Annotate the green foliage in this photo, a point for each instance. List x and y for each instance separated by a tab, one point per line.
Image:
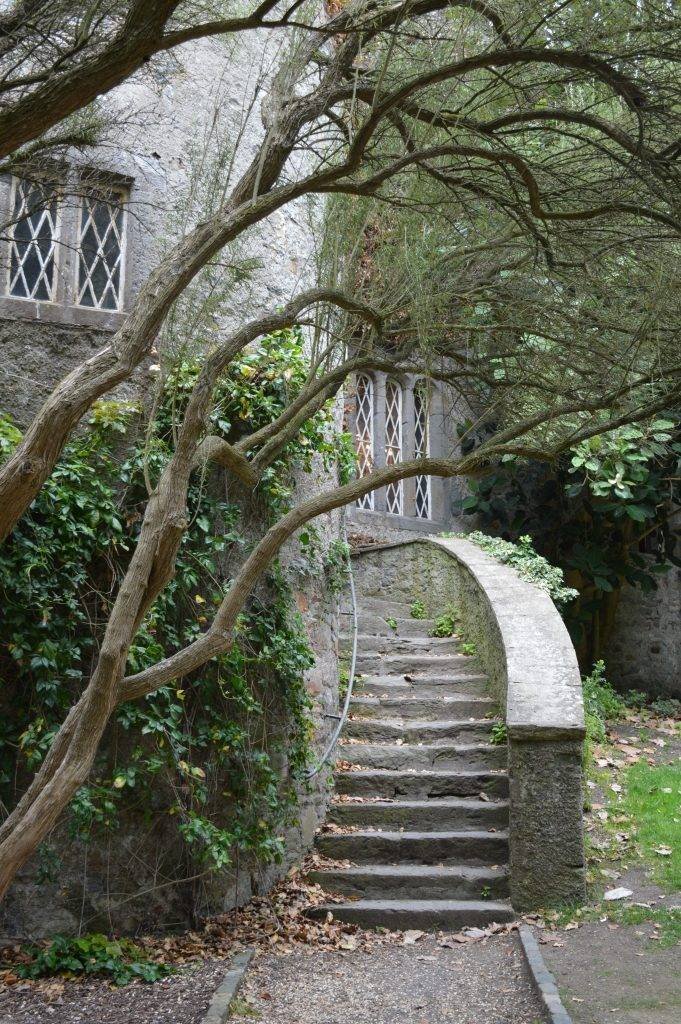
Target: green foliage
601	703
588	514
446	624
119	960
392	622
619	465
651	797
213	745
469	648
499	734
528	564
418	610
336	566
666	707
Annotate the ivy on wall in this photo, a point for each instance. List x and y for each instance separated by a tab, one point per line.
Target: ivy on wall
217	754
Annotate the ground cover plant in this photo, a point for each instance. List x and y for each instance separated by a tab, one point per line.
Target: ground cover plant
120	960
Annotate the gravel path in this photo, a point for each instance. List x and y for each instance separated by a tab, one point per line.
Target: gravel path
181	999
421	984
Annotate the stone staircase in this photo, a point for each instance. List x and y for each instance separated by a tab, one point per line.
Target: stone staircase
416	835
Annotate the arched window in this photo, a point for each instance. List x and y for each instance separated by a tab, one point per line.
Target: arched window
421	448
364	434
394	493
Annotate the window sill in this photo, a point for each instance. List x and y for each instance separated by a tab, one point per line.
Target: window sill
57	313
388	519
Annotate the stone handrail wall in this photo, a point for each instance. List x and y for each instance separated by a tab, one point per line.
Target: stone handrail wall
526	651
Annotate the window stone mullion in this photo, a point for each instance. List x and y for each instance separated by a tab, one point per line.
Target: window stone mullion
408	446
379	435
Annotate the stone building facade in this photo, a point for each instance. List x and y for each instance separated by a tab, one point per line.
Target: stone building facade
644	652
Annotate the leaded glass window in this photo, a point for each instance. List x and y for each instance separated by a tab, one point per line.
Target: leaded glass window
421	449
394	492
100	251
32	249
364	434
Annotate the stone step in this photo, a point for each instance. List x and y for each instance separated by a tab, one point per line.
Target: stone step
427	915
453	684
382	730
385	607
370	644
378	625
364	846
471	756
413	662
451	813
413	881
421	785
423	709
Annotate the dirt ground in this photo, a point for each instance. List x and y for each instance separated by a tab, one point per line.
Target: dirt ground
180	999
610	973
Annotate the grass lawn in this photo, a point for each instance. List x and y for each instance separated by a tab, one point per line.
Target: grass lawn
652	797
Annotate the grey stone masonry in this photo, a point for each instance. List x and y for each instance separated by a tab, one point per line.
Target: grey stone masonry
417	833
531	667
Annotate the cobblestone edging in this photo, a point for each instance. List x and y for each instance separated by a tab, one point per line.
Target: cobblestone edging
218	1010
542	979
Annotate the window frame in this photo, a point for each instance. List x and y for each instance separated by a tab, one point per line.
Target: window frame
393	445
78	249
422	483
63	308
16	183
367	502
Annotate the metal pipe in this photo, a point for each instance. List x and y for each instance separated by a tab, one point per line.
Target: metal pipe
353	660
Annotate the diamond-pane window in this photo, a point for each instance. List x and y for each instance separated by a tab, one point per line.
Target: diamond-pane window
100	251
421	449
32	271
394	492
364	434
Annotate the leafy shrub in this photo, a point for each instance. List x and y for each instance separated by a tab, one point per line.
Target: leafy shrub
119	959
469	648
418	610
601	703
667	707
528	564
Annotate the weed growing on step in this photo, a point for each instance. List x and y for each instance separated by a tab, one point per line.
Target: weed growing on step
499	734
418	610
392	623
469	648
121	960
446	624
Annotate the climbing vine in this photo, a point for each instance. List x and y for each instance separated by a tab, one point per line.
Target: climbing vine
217	755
